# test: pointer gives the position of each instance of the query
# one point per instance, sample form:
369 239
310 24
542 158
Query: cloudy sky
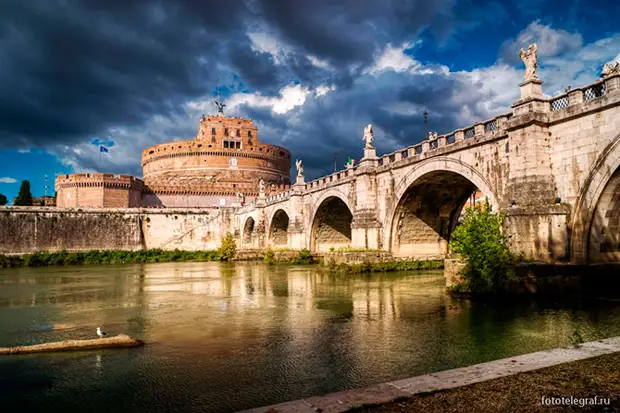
310 73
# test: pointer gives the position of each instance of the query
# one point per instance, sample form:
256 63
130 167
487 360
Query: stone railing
482 129
329 179
580 95
278 197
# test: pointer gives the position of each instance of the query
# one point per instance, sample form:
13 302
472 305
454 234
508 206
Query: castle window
226 144
249 141
238 133
281 153
212 131
212 139
238 145
226 132
250 134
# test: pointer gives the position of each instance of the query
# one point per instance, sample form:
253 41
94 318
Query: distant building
48 201
224 163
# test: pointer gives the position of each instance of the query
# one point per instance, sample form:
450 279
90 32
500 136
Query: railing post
459 135
478 129
575 97
612 85
441 141
425 146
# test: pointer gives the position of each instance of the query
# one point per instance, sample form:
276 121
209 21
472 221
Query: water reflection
223 337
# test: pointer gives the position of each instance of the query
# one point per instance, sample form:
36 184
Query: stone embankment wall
27 230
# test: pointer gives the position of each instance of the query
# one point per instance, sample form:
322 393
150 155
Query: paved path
386 392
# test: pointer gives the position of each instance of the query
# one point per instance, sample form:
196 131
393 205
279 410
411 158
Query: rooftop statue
530 60
220 106
368 136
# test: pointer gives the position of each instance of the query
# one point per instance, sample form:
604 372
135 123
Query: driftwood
121 340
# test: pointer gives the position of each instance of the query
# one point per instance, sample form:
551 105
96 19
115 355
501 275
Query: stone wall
26 230
98 191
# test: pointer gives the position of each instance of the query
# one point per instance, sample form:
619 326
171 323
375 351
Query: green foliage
228 248
482 243
269 256
577 337
383 266
24 198
105 257
304 257
3 200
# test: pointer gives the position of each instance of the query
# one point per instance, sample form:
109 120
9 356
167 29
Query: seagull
100 332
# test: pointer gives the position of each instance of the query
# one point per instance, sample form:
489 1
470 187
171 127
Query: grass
384 266
351 249
40 259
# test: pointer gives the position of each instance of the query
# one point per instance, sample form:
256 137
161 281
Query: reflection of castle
224 159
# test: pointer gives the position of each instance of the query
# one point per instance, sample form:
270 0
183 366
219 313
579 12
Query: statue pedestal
370 153
531 88
300 180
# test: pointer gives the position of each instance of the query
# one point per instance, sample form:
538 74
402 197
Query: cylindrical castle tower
225 159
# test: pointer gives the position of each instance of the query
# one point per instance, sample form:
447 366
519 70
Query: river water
226 337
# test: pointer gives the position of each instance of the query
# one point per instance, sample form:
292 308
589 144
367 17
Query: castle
222 166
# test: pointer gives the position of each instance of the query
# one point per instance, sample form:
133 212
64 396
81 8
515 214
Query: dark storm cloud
72 68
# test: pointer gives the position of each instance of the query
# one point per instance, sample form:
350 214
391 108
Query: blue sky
311 74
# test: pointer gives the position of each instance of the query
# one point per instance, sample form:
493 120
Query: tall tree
3 200
24 198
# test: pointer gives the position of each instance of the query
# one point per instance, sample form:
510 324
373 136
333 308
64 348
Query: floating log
121 340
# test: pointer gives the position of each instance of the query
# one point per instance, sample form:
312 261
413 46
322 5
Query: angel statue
530 60
368 136
300 167
261 186
220 106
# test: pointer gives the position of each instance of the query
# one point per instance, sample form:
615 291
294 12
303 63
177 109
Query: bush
269 256
304 257
228 249
482 243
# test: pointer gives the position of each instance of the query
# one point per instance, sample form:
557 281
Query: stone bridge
551 165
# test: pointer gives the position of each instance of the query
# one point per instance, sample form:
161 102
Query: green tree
228 248
24 198
481 241
3 200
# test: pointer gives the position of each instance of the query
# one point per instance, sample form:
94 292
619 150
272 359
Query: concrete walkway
386 392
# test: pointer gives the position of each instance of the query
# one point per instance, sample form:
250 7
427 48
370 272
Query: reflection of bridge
552 165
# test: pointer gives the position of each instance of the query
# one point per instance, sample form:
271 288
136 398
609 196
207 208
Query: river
226 337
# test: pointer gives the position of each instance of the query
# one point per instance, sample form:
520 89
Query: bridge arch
595 223
330 225
278 228
247 235
427 203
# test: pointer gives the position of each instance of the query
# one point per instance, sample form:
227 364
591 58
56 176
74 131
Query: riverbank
513 384
40 259
583 380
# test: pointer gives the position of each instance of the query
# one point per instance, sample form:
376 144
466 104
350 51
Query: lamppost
335 154
425 124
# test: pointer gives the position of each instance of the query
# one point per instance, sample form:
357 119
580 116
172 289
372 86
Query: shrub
269 256
482 243
228 248
304 257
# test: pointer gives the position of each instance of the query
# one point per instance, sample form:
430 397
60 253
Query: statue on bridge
300 167
530 60
368 136
610 69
